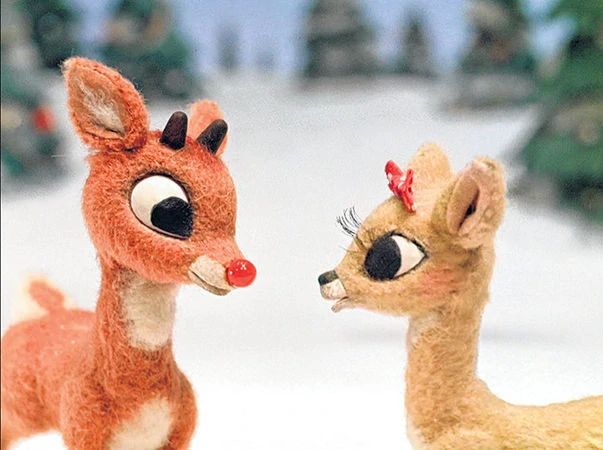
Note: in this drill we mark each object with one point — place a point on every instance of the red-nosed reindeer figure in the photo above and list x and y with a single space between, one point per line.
160 208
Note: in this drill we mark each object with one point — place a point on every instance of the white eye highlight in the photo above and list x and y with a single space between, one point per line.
162 205
410 254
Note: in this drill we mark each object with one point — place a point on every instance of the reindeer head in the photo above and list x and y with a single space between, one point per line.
412 256
160 203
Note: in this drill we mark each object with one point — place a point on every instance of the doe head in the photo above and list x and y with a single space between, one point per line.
160 203
428 246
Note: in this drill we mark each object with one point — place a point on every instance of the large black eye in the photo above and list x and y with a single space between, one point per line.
162 205
174 216
390 256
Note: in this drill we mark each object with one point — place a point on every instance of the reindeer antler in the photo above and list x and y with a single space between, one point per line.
400 183
174 133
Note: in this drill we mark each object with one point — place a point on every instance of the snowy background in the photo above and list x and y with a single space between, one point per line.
277 26
272 366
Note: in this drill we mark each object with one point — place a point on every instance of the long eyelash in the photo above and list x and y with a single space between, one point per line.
349 222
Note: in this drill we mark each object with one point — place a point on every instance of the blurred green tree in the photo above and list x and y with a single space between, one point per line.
567 147
415 53
228 49
498 67
339 40
143 44
500 38
28 132
52 26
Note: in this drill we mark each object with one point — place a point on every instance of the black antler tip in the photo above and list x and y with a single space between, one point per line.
213 136
174 133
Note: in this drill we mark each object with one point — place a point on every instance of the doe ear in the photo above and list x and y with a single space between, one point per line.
431 167
472 208
431 175
106 109
202 114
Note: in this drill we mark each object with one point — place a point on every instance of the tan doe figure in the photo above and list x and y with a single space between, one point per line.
433 262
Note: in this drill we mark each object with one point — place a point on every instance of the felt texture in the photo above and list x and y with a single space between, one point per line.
37 296
101 378
448 406
106 110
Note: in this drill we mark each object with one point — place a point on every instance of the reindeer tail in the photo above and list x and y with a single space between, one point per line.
38 297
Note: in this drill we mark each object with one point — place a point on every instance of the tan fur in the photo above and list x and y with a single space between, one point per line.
448 407
210 274
149 310
419 325
148 430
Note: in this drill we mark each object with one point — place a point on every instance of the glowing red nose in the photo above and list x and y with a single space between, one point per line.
240 273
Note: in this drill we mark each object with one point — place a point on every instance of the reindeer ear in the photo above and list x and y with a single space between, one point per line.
202 114
431 165
106 109
431 174
472 208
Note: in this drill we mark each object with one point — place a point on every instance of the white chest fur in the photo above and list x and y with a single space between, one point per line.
149 429
149 310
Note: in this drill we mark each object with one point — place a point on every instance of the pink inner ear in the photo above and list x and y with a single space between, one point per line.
106 110
466 205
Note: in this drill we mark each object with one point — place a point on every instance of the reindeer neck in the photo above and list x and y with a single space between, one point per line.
134 322
441 368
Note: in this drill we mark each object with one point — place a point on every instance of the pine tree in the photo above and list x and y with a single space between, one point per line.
498 69
228 49
415 54
339 40
567 147
144 44
52 27
265 60
29 136
500 39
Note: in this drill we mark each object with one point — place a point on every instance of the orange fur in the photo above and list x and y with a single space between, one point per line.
448 407
48 297
102 379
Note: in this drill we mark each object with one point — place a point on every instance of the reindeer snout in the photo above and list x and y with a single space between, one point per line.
331 286
327 277
240 273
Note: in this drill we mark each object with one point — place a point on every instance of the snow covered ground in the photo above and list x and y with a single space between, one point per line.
272 366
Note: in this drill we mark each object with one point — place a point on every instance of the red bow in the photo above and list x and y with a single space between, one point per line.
400 183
